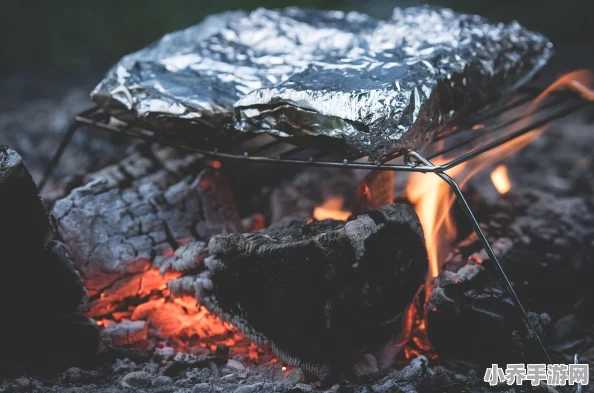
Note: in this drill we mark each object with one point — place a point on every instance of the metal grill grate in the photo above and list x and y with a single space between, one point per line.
497 126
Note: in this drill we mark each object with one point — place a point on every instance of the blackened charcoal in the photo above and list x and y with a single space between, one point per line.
40 291
319 293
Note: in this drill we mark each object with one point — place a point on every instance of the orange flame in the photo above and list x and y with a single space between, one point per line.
500 179
433 198
332 208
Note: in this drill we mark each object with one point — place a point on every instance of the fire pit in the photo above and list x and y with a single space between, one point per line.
181 280
524 120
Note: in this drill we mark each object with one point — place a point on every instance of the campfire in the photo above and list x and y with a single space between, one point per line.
155 305
346 261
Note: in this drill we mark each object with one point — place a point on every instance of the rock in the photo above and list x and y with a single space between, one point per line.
162 380
136 379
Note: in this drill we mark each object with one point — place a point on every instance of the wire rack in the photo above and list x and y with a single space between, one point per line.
483 132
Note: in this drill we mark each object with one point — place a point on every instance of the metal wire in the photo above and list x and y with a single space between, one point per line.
533 335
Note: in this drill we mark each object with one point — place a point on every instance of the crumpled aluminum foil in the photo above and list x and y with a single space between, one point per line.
370 86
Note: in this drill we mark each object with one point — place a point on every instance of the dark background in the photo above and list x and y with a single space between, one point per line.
81 36
48 47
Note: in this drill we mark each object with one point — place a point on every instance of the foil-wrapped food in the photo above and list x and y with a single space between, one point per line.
368 86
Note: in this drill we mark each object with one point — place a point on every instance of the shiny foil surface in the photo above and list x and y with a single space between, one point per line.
367 86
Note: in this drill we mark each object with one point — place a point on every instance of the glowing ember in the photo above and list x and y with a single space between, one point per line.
332 208
177 322
500 179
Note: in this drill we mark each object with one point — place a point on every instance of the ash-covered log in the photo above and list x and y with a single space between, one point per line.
133 218
41 294
321 294
545 244
129 214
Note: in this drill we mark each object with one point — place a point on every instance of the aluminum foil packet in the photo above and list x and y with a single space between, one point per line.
368 86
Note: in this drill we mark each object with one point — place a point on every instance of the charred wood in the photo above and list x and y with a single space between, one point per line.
374 191
299 195
319 293
113 232
545 244
40 290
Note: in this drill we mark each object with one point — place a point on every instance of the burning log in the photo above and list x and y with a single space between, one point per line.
374 191
319 293
301 194
133 219
330 193
544 242
113 231
33 264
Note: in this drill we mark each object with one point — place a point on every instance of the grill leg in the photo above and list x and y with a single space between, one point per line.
72 128
532 334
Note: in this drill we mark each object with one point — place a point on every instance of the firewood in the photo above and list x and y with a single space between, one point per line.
113 232
297 196
375 190
319 293
40 291
185 259
544 244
